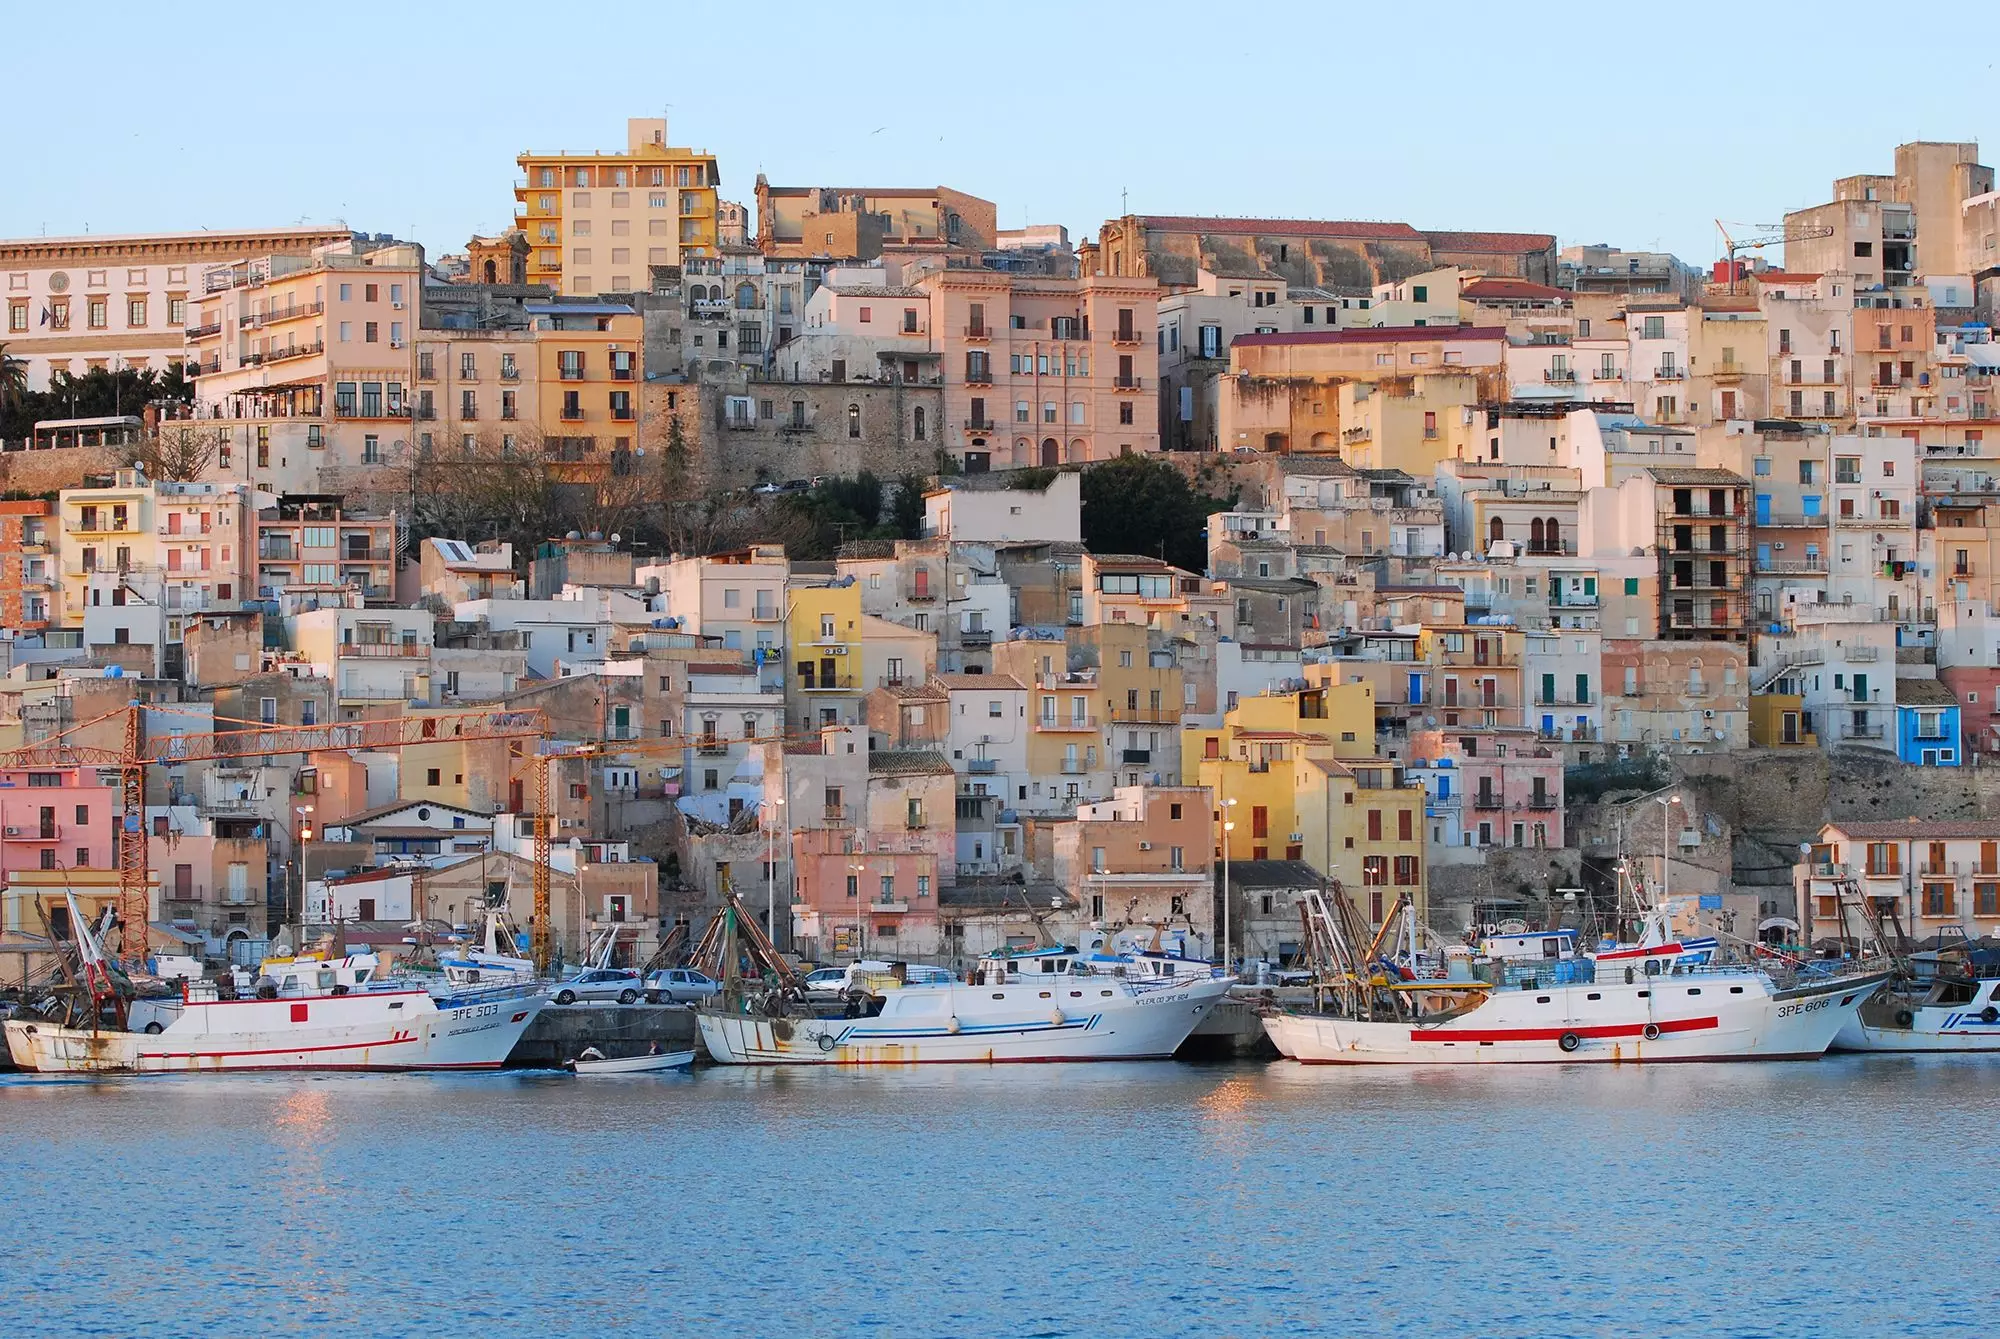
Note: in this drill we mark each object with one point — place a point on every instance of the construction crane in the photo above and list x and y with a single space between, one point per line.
137 753
1774 235
550 755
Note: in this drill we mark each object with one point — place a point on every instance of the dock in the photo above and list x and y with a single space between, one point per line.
563 1030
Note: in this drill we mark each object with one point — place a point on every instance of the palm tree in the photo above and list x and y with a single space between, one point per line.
13 381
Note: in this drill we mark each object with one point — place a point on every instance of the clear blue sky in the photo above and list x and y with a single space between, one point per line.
1636 125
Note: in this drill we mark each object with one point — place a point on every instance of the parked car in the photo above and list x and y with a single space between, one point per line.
599 983
826 982
680 985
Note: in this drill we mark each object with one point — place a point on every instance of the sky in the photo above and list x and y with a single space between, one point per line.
1633 125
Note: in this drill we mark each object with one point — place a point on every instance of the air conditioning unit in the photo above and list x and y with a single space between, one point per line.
1708 714
1145 846
395 343
13 832
395 306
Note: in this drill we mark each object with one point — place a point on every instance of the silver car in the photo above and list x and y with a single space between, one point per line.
599 983
680 985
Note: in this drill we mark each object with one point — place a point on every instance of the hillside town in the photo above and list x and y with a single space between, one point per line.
686 542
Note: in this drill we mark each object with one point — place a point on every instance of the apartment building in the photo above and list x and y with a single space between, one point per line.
1143 858
835 223
1045 371
1325 253
144 555
75 304
1489 787
304 364
31 587
312 541
1923 877
597 220
590 365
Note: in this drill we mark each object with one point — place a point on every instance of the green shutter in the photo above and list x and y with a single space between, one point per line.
1590 585
1631 585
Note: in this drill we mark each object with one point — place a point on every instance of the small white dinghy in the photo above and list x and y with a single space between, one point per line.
592 1061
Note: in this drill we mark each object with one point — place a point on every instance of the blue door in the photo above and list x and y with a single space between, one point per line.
1763 509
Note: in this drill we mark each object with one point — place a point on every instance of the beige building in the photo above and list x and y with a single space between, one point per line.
78 303
595 220
840 223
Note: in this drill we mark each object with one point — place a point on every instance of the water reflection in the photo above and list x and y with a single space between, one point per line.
1061 1200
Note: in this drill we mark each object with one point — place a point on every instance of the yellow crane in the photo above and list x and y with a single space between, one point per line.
1780 237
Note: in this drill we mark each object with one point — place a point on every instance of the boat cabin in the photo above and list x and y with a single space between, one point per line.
1530 946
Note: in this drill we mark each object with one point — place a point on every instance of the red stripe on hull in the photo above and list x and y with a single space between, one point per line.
1587 1060
274 1050
1553 1033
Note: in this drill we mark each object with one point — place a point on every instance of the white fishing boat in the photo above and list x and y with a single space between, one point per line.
330 1015
1049 1005
495 961
1644 1011
594 1062
1954 1014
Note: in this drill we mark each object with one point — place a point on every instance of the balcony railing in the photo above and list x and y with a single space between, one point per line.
292 313
1542 803
980 425
1146 715
1066 723
975 637
1486 803
828 683
1671 374
1128 383
385 650
1123 336
982 766
979 332
1559 376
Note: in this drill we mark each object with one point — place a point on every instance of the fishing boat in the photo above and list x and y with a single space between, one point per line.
313 1014
1043 1005
1641 1012
594 1062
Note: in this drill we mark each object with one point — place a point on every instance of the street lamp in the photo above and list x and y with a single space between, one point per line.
860 912
305 834
1666 804
1228 826
771 866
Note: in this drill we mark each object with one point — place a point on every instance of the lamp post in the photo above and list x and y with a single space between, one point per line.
1666 804
771 866
860 872
1228 826
305 834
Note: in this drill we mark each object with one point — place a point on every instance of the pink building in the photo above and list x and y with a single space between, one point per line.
873 895
1043 371
56 818
1505 784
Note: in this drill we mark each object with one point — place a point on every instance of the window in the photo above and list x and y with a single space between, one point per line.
135 312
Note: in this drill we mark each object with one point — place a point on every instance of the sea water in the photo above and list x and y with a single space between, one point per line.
1845 1197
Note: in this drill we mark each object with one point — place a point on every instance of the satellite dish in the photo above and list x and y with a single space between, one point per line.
616 537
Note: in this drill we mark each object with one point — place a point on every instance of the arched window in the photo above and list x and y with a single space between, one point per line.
1552 535
1051 453
1535 535
1020 451
1497 530
746 296
492 273
1274 441
854 420
917 424
1076 451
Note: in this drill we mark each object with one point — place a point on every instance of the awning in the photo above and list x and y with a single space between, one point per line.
1778 923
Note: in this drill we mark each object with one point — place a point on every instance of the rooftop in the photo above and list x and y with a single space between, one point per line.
1378 232
908 762
1985 829
1924 693
1388 334
1691 475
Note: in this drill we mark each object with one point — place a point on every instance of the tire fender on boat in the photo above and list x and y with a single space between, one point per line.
1904 1018
1569 1041
1989 1015
1056 1017
1652 1032
951 1025
826 1041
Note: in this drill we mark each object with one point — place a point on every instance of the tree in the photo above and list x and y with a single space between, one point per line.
1141 504
181 451
13 382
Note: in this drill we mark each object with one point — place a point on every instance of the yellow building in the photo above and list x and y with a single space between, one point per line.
823 654
589 359
1296 778
595 221
1777 720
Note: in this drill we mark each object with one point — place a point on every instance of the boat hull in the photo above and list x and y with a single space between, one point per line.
385 1030
1933 1028
1066 1020
1655 1020
634 1064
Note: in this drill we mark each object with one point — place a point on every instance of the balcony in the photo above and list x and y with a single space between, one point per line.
767 613
1790 520
923 594
979 375
970 638
1670 374
1067 724
1606 374
827 683
572 413
980 425
1136 757
1146 715
1124 337
979 333
291 313
880 907
1791 566
1862 732
385 650
362 554
1128 384
279 553
204 331
1487 802
982 767
1559 376
836 816
711 746
1542 803
46 832
1075 767
291 351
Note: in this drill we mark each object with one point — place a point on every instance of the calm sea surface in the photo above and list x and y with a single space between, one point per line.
1848 1197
